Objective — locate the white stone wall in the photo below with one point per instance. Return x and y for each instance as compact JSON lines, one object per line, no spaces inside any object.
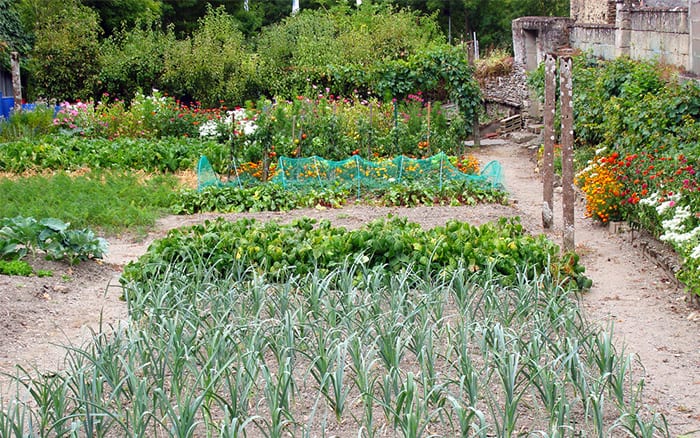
{"x":654,"y":34}
{"x":598,"y":40}
{"x":662,"y":35}
{"x":694,"y":25}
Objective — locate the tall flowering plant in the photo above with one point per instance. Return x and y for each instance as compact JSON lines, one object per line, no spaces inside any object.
{"x":78,"y":117}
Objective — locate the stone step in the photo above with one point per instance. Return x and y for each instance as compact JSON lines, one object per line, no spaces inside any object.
{"x":535,"y":128}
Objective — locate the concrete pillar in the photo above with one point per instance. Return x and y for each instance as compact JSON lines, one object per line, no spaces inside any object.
{"x":566,"y":88}
{"x":694,"y":25}
{"x":623,"y":29}
{"x":550,"y":86}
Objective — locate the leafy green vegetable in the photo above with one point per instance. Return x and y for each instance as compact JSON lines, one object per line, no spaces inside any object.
{"x":20,"y":235}
{"x":307,"y":245}
{"x":15,"y":267}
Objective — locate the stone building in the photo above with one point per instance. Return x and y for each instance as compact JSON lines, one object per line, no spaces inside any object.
{"x":664,"y":30}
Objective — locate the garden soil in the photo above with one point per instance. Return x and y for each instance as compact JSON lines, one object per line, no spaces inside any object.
{"x":650,"y":314}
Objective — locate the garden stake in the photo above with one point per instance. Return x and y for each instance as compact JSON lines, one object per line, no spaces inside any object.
{"x":430,"y":152}
{"x":369,"y":134}
{"x":294,"y":122}
{"x":396,"y":126}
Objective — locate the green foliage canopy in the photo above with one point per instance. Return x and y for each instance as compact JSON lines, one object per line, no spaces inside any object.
{"x":134,"y":60}
{"x":13,"y":36}
{"x":65,"y":58}
{"x":211,"y":66}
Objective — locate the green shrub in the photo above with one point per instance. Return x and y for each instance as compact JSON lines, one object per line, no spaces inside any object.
{"x":70,"y":153}
{"x":28,"y":124}
{"x":65,"y":58}
{"x":338,"y":49}
{"x":211,"y":66}
{"x":133,"y":60}
{"x":52,"y":236}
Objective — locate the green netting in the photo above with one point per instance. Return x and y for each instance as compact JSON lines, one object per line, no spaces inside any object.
{"x":207,"y":176}
{"x":364,"y":175}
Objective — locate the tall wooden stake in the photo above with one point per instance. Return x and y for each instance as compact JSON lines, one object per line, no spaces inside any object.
{"x":16,"y":81}
{"x":473,"y":54}
{"x":567,"y":147}
{"x":550,"y":86}
{"x":430,"y":152}
{"x":369,"y":134}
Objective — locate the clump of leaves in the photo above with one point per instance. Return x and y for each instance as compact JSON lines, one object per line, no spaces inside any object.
{"x":22,"y":235}
{"x":15,"y":267}
{"x":273,"y":197}
{"x":309,"y":246}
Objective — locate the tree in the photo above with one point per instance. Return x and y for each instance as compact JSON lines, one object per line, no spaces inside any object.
{"x":490,"y":19}
{"x":117,"y":14}
{"x":13,"y":36}
{"x":65,"y":58}
{"x":213,"y":64}
{"x":134,"y":60}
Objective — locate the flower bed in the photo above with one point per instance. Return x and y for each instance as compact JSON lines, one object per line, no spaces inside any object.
{"x":645,"y":168}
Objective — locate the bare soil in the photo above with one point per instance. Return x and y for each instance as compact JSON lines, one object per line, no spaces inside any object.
{"x":649,"y":311}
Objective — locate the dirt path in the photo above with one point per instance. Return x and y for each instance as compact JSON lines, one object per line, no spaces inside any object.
{"x":641,"y":300}
{"x":37,"y":315}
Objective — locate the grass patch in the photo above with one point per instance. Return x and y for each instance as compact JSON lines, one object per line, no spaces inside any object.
{"x":107,"y":200}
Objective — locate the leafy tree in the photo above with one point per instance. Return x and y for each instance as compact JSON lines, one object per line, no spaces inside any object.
{"x":490,"y":19}
{"x":315,"y":44}
{"x":211,"y":66}
{"x":65,"y":58}
{"x":115,"y":14}
{"x":13,"y":36}
{"x":134,"y":60}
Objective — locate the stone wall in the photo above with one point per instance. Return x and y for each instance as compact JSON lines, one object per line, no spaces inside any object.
{"x":661,"y":34}
{"x":509,"y":92}
{"x":591,"y":11}
{"x":642,"y":33}
{"x":666,"y":4}
{"x":597,"y":39}
{"x":535,"y":36}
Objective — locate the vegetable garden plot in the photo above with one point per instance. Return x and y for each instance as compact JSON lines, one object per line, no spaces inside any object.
{"x":219,"y":346}
{"x":360,"y":174}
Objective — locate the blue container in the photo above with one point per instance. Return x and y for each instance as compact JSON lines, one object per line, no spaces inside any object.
{"x":6,"y":107}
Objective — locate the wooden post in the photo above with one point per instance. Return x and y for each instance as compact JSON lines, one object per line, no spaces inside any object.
{"x":16,"y":81}
{"x":550,"y":67}
{"x":430,"y":151}
{"x":567,"y":146}
{"x":472,"y":55}
{"x":369,"y":134}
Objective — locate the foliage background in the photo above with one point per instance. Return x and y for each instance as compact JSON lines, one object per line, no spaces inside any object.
{"x":148,"y":44}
